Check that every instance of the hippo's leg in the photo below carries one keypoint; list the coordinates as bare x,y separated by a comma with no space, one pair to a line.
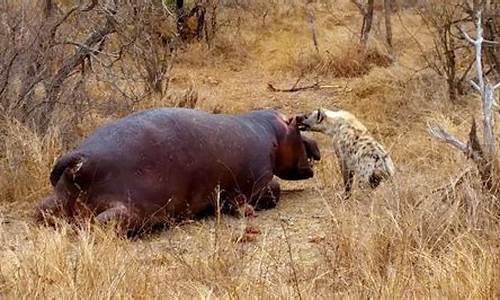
125,218
238,206
269,197
243,207
49,210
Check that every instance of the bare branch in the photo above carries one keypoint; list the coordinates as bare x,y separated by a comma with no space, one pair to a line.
110,7
496,86
7,69
478,45
165,7
91,6
490,42
467,36
67,67
444,136
475,85
462,79
56,26
359,6
92,51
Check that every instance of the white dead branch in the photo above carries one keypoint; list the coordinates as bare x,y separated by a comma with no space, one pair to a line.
483,155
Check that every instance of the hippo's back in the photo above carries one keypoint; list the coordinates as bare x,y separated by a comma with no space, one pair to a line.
159,154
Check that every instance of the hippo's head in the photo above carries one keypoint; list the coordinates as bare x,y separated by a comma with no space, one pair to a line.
295,154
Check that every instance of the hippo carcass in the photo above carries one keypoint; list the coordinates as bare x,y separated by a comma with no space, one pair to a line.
169,163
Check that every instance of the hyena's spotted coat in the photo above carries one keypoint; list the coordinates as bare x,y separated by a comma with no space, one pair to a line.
358,152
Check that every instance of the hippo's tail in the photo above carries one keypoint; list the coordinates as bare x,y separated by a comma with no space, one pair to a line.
69,164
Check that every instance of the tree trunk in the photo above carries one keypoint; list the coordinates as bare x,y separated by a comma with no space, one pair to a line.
180,8
451,67
491,25
388,23
311,20
48,6
367,22
452,90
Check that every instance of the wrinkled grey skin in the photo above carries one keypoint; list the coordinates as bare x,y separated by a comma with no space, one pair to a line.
164,164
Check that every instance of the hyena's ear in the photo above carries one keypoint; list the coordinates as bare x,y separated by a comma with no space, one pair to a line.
320,116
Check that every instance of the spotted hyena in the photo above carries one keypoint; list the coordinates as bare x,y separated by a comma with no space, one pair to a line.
358,152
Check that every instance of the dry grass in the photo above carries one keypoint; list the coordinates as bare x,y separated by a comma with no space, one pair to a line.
402,240
348,61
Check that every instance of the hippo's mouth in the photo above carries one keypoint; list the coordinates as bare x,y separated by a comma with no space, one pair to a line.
311,161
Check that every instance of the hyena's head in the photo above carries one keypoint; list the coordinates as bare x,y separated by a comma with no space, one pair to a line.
315,121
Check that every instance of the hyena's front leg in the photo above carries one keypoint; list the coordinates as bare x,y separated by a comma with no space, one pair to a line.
347,173
348,176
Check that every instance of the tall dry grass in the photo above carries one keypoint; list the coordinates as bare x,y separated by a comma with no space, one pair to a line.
397,243
407,239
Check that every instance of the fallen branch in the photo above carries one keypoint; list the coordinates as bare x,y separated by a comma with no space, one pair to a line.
472,149
444,136
294,88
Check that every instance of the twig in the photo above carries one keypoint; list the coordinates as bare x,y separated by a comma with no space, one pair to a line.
165,7
449,187
7,69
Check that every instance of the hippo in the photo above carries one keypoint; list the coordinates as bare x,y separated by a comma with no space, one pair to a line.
176,163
